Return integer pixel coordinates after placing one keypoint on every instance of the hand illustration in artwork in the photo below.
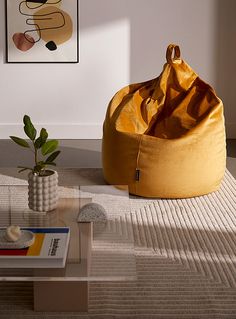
(46, 22)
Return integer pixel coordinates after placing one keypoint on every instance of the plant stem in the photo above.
(35, 156)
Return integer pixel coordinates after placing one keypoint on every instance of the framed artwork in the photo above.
(42, 31)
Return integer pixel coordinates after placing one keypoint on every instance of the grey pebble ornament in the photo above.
(92, 212)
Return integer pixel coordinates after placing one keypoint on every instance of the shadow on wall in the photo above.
(226, 62)
(153, 25)
(69, 157)
(143, 49)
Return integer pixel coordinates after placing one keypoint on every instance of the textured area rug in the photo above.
(200, 232)
(185, 258)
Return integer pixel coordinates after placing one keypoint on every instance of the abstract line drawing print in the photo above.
(43, 24)
(49, 18)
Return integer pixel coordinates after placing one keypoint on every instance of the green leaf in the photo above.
(43, 135)
(41, 139)
(41, 163)
(39, 167)
(49, 147)
(26, 119)
(51, 163)
(38, 143)
(52, 157)
(24, 169)
(20, 141)
(29, 128)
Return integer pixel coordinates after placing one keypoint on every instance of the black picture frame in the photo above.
(20, 58)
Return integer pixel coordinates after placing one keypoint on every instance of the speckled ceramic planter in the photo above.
(43, 191)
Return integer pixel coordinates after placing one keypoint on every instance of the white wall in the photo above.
(120, 42)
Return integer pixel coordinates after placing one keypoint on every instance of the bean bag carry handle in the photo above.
(169, 52)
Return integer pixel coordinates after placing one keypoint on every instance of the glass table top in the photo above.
(98, 250)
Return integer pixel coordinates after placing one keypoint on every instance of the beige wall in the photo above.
(122, 41)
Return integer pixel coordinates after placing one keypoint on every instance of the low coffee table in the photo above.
(97, 251)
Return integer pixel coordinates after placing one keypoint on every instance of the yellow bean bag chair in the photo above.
(166, 137)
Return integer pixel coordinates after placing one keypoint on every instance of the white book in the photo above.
(49, 250)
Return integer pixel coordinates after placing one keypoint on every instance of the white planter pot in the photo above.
(43, 191)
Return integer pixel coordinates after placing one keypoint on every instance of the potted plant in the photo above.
(43, 182)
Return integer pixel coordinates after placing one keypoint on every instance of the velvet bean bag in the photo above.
(166, 137)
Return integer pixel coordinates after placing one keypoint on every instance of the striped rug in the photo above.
(199, 233)
(185, 257)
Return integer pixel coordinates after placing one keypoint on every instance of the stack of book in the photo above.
(49, 250)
